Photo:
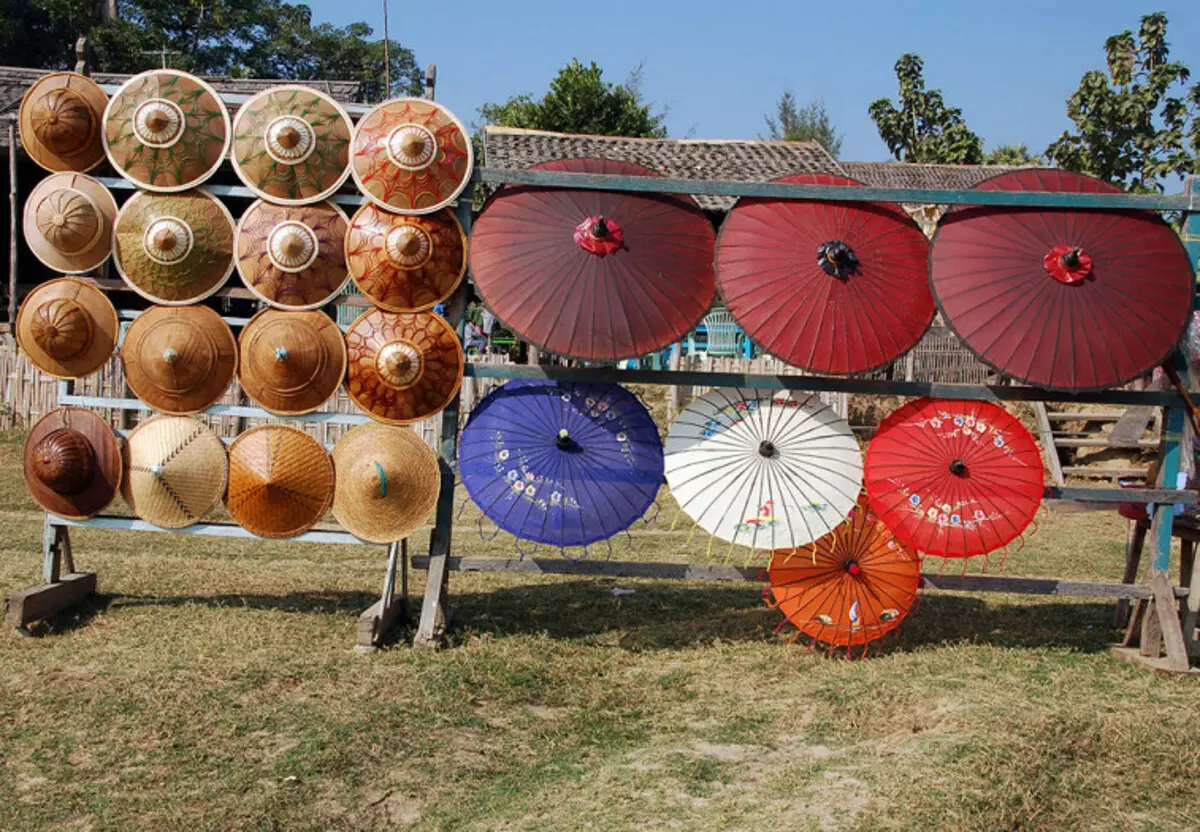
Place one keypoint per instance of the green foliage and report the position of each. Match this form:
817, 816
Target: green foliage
1139, 122
803, 124
1012, 154
42, 33
923, 128
581, 101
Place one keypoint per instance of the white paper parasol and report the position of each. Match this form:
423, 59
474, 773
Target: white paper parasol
763, 469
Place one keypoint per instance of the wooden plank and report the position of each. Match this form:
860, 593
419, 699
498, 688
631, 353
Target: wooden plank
879, 387
238, 191
1168, 619
1083, 417
226, 291
328, 417
1049, 448
435, 608
1097, 471
48, 600
131, 524
1158, 666
1124, 495
378, 620
13, 220
1069, 442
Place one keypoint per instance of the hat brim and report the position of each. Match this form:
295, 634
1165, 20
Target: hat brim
410, 473
97, 102
105, 328
281, 481
107, 467
79, 262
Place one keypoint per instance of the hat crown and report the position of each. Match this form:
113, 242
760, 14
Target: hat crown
69, 220
62, 460
408, 246
63, 122
399, 364
62, 328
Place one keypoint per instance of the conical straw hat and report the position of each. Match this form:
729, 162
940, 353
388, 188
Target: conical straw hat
60, 121
69, 221
280, 481
291, 362
175, 471
67, 328
387, 482
179, 359
72, 463
406, 264
293, 256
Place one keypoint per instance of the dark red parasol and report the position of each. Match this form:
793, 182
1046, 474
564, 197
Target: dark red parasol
954, 478
1062, 298
833, 287
596, 275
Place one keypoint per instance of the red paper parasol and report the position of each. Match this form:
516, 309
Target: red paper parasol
954, 478
850, 587
1067, 299
595, 275
833, 287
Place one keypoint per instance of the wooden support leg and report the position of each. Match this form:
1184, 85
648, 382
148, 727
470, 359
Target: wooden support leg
1133, 559
60, 592
1191, 609
435, 611
379, 619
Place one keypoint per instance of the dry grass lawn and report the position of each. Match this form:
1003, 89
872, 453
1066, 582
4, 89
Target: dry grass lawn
212, 686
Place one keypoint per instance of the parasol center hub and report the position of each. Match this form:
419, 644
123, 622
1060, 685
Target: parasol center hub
292, 246
158, 123
408, 246
168, 240
767, 449
289, 140
399, 364
853, 568
837, 259
412, 147
958, 468
1067, 264
599, 235
563, 440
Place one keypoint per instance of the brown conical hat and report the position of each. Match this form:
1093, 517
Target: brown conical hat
67, 328
291, 145
291, 362
165, 130
69, 221
179, 359
411, 156
175, 471
404, 366
280, 481
406, 263
60, 121
174, 249
293, 256
387, 482
72, 463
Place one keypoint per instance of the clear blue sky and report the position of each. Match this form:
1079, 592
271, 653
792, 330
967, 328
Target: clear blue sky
718, 66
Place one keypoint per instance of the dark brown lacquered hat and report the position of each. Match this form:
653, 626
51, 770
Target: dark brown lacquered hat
175, 471
280, 481
387, 482
72, 463
69, 221
61, 119
411, 156
174, 249
406, 263
291, 362
179, 359
67, 328
291, 145
165, 130
293, 256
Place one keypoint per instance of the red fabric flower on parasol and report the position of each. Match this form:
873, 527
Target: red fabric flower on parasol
597, 275
1062, 298
833, 287
954, 478
850, 587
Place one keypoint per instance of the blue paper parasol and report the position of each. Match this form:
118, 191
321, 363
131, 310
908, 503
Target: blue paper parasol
560, 463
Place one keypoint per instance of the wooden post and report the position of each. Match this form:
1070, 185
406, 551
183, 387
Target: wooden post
12, 224
430, 81
1049, 449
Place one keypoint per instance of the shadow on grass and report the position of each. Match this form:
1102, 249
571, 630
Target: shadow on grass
665, 617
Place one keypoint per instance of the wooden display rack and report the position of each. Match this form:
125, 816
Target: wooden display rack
1155, 626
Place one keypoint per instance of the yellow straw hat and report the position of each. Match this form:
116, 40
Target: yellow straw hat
387, 482
175, 471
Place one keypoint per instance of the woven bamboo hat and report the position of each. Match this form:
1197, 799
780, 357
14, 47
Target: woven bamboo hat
280, 481
406, 263
291, 145
293, 256
67, 328
175, 471
174, 249
411, 156
291, 362
179, 359
387, 482
72, 463
165, 130
60, 120
404, 366
69, 221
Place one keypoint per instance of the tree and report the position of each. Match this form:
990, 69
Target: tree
923, 128
1012, 154
42, 33
1139, 122
806, 124
581, 101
